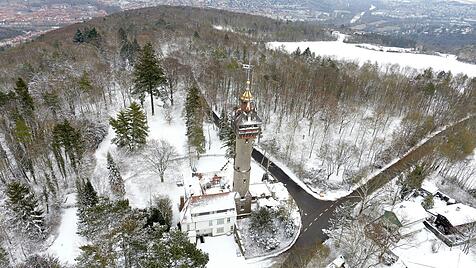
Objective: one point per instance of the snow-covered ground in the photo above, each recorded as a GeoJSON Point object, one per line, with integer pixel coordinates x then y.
{"type": "Point", "coordinates": [222, 251]}
{"type": "Point", "coordinates": [67, 243]}
{"type": "Point", "coordinates": [352, 52]}
{"type": "Point", "coordinates": [416, 251]}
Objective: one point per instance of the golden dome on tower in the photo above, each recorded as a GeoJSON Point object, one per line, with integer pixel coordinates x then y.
{"type": "Point", "coordinates": [247, 96]}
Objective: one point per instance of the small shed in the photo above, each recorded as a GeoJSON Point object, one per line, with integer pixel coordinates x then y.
{"type": "Point", "coordinates": [406, 216]}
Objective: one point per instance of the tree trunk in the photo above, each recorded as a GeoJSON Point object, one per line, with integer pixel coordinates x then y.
{"type": "Point", "coordinates": [151, 100]}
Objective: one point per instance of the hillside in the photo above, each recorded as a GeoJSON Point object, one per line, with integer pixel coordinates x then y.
{"type": "Point", "coordinates": [332, 123]}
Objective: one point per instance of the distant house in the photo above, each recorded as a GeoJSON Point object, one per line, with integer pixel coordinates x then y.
{"type": "Point", "coordinates": [454, 219]}
{"type": "Point", "coordinates": [208, 215]}
{"type": "Point", "coordinates": [406, 216]}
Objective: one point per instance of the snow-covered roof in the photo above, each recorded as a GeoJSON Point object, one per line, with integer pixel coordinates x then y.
{"type": "Point", "coordinates": [206, 205]}
{"type": "Point", "coordinates": [267, 202]}
{"type": "Point", "coordinates": [429, 186]}
{"type": "Point", "coordinates": [456, 214]}
{"type": "Point", "coordinates": [259, 189]}
{"type": "Point", "coordinates": [212, 202]}
{"type": "Point", "coordinates": [408, 212]}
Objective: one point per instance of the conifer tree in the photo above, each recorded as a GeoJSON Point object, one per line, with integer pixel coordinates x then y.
{"type": "Point", "coordinates": [68, 138]}
{"type": "Point", "coordinates": [90, 196]}
{"type": "Point", "coordinates": [227, 135]}
{"type": "Point", "coordinates": [223, 121]}
{"type": "Point", "coordinates": [120, 124]}
{"type": "Point", "coordinates": [229, 141]}
{"type": "Point", "coordinates": [26, 213]}
{"type": "Point", "coordinates": [23, 95]}
{"type": "Point", "coordinates": [137, 126]}
{"type": "Point", "coordinates": [115, 179]}
{"type": "Point", "coordinates": [78, 36]}
{"type": "Point", "coordinates": [22, 131]}
{"type": "Point", "coordinates": [148, 75]}
{"type": "Point", "coordinates": [194, 120]}
{"type": "Point", "coordinates": [130, 127]}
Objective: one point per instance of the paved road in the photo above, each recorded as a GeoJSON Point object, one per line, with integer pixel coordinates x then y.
{"type": "Point", "coordinates": [315, 213]}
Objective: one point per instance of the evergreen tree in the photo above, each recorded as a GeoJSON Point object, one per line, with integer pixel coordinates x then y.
{"type": "Point", "coordinates": [22, 130]}
{"type": "Point", "coordinates": [91, 34]}
{"type": "Point", "coordinates": [173, 250]}
{"type": "Point", "coordinates": [416, 177]}
{"type": "Point", "coordinates": [122, 237]}
{"type": "Point", "coordinates": [222, 123]}
{"type": "Point", "coordinates": [194, 120]}
{"type": "Point", "coordinates": [120, 124]}
{"type": "Point", "coordinates": [137, 126]}
{"type": "Point", "coordinates": [130, 127]}
{"type": "Point", "coordinates": [227, 135]}
{"type": "Point", "coordinates": [160, 212]}
{"type": "Point", "coordinates": [68, 138]}
{"type": "Point", "coordinates": [115, 179]}
{"type": "Point", "coordinates": [87, 196]}
{"type": "Point", "coordinates": [23, 95]}
{"type": "Point", "coordinates": [26, 213]}
{"type": "Point", "coordinates": [148, 75]}
{"type": "Point", "coordinates": [78, 37]}
{"type": "Point", "coordinates": [297, 52]}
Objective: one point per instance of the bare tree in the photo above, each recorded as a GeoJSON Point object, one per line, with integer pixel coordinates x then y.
{"type": "Point", "coordinates": [160, 156]}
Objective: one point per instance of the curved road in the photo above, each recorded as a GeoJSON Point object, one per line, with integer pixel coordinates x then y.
{"type": "Point", "coordinates": [315, 213]}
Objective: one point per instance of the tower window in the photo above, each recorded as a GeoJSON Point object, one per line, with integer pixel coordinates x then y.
{"type": "Point", "coordinates": [244, 181]}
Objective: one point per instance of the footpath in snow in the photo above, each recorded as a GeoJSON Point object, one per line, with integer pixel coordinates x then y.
{"type": "Point", "coordinates": [67, 243]}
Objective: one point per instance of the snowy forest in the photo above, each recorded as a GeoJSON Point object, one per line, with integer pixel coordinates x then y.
{"type": "Point", "coordinates": [331, 122]}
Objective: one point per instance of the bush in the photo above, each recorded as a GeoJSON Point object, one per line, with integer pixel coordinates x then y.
{"type": "Point", "coordinates": [262, 219]}
{"type": "Point", "coordinates": [428, 202]}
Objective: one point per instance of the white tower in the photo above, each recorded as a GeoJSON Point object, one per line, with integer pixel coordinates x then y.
{"type": "Point", "coordinates": [247, 126]}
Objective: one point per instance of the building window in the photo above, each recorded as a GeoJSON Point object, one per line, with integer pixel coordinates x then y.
{"type": "Point", "coordinates": [228, 220]}
{"type": "Point", "coordinates": [242, 208]}
{"type": "Point", "coordinates": [220, 230]}
{"type": "Point", "coordinates": [244, 181]}
{"type": "Point", "coordinates": [210, 223]}
{"type": "Point", "coordinates": [220, 221]}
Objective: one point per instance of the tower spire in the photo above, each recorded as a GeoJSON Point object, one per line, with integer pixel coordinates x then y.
{"type": "Point", "coordinates": [247, 96]}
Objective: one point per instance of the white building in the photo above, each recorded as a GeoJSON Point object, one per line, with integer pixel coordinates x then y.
{"type": "Point", "coordinates": [208, 215]}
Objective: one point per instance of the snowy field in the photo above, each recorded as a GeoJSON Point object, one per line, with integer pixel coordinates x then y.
{"type": "Point", "coordinates": [355, 53]}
